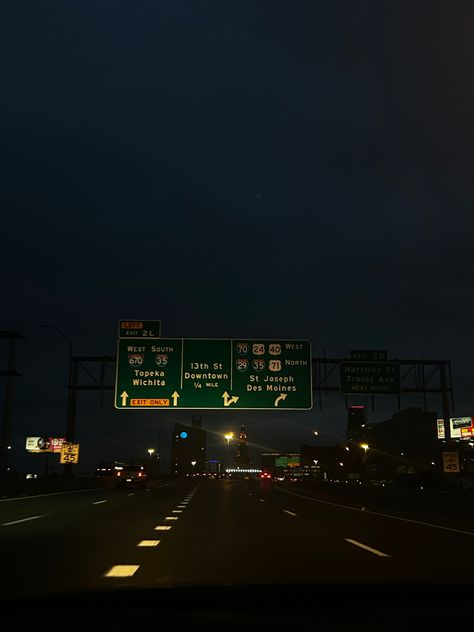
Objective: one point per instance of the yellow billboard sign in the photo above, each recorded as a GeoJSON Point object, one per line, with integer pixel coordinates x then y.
{"type": "Point", "coordinates": [70, 453]}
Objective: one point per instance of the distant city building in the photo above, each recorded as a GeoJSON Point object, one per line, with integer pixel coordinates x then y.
{"type": "Point", "coordinates": [405, 444]}
{"type": "Point", "coordinates": [214, 466]}
{"type": "Point", "coordinates": [356, 423]}
{"type": "Point", "coordinates": [242, 457]}
{"type": "Point", "coordinates": [332, 462]}
{"type": "Point", "coordinates": [188, 448]}
{"type": "Point", "coordinates": [404, 449]}
{"type": "Point", "coordinates": [151, 463]}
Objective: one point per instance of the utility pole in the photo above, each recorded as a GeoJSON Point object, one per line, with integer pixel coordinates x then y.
{"type": "Point", "coordinates": [445, 404]}
{"type": "Point", "coordinates": [10, 373]}
{"type": "Point", "coordinates": [72, 395]}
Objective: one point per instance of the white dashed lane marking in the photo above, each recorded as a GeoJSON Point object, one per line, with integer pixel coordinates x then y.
{"type": "Point", "coordinates": [121, 570]}
{"type": "Point", "coordinates": [290, 513]}
{"type": "Point", "coordinates": [367, 548]}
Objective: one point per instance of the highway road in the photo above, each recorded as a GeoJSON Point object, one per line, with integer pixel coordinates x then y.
{"type": "Point", "coordinates": [215, 532]}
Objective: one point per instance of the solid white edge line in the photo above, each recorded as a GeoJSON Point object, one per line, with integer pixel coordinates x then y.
{"type": "Point", "coordinates": [6, 524]}
{"type": "Point", "coordinates": [74, 491]}
{"type": "Point", "coordinates": [367, 548]}
{"type": "Point", "coordinates": [376, 513]}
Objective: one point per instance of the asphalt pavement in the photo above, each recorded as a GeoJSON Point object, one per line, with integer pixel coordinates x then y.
{"type": "Point", "coordinates": [191, 532]}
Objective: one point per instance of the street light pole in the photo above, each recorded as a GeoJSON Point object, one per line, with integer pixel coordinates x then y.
{"type": "Point", "coordinates": [72, 395]}
{"type": "Point", "coordinates": [151, 452]}
{"type": "Point", "coordinates": [365, 447]}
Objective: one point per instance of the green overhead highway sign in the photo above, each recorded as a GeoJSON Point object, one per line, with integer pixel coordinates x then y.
{"type": "Point", "coordinates": [213, 373]}
{"type": "Point", "coordinates": [139, 328]}
{"type": "Point", "coordinates": [369, 378]}
{"type": "Point", "coordinates": [287, 461]}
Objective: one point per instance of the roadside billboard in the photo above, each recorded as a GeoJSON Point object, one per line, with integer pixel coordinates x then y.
{"type": "Point", "coordinates": [459, 428]}
{"type": "Point", "coordinates": [44, 444]}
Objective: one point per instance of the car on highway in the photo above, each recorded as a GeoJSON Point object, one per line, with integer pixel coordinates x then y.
{"type": "Point", "coordinates": [130, 476]}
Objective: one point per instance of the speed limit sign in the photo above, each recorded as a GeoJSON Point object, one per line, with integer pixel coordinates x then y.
{"type": "Point", "coordinates": [451, 462]}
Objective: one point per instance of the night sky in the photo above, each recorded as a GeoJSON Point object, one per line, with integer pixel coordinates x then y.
{"type": "Point", "coordinates": [237, 168]}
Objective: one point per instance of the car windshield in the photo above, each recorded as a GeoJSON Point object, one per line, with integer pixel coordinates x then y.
{"type": "Point", "coordinates": [237, 295]}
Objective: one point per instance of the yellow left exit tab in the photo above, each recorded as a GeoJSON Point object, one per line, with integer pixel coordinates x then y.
{"type": "Point", "coordinates": [149, 402]}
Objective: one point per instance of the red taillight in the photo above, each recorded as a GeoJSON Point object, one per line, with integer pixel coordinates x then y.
{"type": "Point", "coordinates": [119, 473]}
{"type": "Point", "coordinates": [139, 473]}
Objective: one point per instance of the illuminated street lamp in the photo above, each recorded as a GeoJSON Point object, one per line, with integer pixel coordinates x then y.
{"type": "Point", "coordinates": [316, 433]}
{"type": "Point", "coordinates": [365, 447]}
{"type": "Point", "coordinates": [229, 436]}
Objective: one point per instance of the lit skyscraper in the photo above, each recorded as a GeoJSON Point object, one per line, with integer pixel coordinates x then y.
{"type": "Point", "coordinates": [242, 458]}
